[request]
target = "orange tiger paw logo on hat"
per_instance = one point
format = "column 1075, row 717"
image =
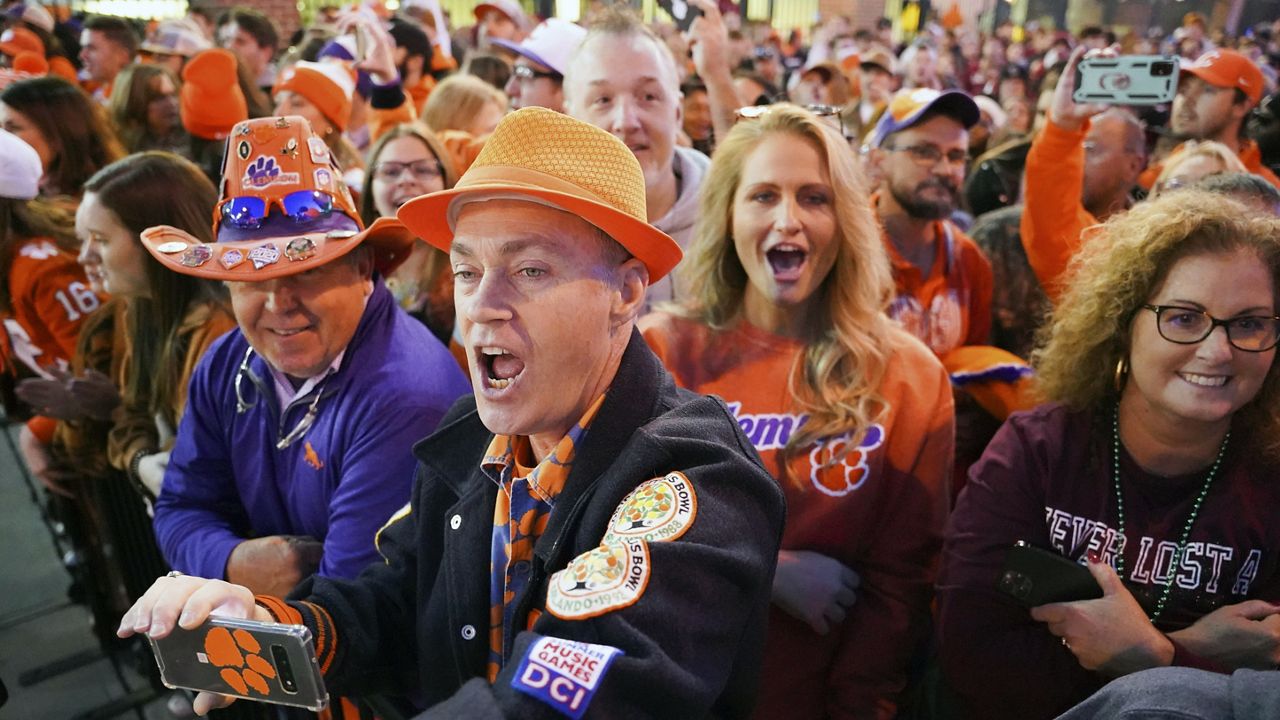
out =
column 240, row 670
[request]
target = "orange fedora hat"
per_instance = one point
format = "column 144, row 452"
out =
column 284, row 210
column 565, row 162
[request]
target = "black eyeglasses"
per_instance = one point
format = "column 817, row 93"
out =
column 929, row 155
column 390, row 170
column 528, row 74
column 1188, row 326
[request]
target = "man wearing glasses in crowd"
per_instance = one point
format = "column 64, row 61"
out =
column 917, row 153
column 538, row 76
column 295, row 447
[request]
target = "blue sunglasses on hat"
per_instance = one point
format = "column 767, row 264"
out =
column 301, row 206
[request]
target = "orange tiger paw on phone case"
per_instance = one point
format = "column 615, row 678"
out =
column 224, row 650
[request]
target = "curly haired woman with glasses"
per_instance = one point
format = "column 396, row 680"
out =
column 1153, row 465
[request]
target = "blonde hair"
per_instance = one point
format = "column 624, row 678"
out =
column 837, row 377
column 1119, row 269
column 1193, row 149
column 455, row 102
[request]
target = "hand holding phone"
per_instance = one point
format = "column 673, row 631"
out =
column 1034, row 576
column 183, row 602
column 247, row 659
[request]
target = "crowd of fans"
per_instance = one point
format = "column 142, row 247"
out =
column 947, row 307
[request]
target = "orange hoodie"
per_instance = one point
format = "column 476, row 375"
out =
column 1053, row 214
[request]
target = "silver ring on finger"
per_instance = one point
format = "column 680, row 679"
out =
column 175, row 573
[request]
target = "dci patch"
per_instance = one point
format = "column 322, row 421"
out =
column 196, row 256
column 264, row 255
column 300, row 249
column 564, row 674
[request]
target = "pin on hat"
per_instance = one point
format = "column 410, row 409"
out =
column 908, row 107
column 553, row 159
column 284, row 210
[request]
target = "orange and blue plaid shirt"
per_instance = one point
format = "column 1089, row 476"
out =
column 525, row 500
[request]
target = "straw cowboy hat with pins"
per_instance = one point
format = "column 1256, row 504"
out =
column 284, row 210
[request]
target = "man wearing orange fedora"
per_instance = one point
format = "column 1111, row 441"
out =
column 583, row 536
column 296, row 443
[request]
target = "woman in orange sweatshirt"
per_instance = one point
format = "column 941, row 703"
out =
column 853, row 416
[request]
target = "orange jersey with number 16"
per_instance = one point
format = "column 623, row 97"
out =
column 50, row 297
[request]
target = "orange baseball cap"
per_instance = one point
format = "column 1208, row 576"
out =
column 18, row 40
column 276, row 164
column 567, row 163
column 1229, row 69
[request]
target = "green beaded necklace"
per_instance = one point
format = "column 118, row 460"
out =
column 1186, row 529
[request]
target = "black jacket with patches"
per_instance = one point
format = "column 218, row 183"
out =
column 418, row 624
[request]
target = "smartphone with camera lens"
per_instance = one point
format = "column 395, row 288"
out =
column 1035, row 576
column 248, row 659
column 1127, row 80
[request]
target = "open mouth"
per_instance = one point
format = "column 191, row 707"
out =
column 786, row 261
column 289, row 332
column 1205, row 381
column 500, row 367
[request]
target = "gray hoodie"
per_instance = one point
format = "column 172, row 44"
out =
column 690, row 166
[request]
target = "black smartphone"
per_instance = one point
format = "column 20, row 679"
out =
column 1034, row 576
column 1127, row 80
column 682, row 11
column 262, row 661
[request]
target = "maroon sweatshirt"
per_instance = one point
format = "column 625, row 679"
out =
column 1046, row 478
